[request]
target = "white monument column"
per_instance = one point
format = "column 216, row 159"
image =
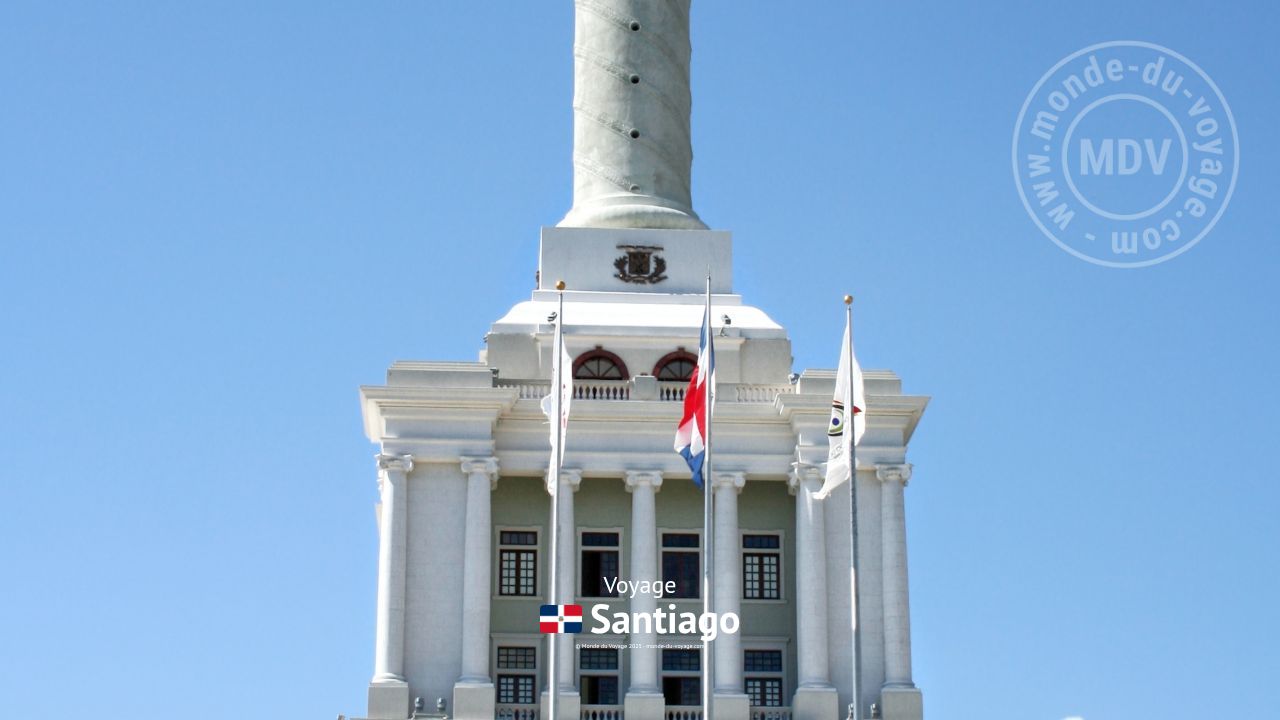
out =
column 731, row 703
column 899, row 698
column 566, row 570
column 644, row 699
column 388, row 692
column 631, row 146
column 473, row 694
column 815, row 696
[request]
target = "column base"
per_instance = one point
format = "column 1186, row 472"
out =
column 473, row 701
column 901, row 703
column 570, row 706
column 816, row 703
column 388, row 700
column 644, row 706
column 731, row 706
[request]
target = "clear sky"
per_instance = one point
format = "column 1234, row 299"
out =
column 217, row 220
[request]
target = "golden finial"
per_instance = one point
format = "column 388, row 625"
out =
column 848, row 299
column 559, row 284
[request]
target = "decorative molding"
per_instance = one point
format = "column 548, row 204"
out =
column 481, row 465
column 636, row 478
column 803, row 472
column 568, row 476
column 394, row 463
column 734, row 479
column 894, row 473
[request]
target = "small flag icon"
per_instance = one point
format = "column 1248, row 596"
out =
column 560, row 619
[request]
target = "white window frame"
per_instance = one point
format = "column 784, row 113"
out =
column 782, row 565
column 538, row 643
column 538, row 557
column 577, row 583
column 778, row 646
column 697, row 551
column 619, row 645
column 664, row 673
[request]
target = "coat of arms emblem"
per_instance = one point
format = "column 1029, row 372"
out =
column 641, row 264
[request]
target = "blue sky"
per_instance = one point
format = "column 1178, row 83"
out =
column 218, row 220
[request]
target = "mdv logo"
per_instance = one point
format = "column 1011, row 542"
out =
column 1124, row 156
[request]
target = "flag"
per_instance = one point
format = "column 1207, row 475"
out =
column 849, row 402
column 691, row 434
column 560, row 619
column 562, row 373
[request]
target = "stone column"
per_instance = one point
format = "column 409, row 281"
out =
column 473, row 695
column 566, row 567
column 731, row 702
column 388, row 692
column 899, row 698
column 644, row 699
column 631, row 146
column 815, row 697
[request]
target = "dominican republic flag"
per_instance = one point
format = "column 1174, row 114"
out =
column 848, row 417
column 560, row 619
column 691, row 435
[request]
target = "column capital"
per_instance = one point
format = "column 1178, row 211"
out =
column 487, row 466
column 568, row 476
column 732, row 479
column 893, row 473
column 394, row 463
column 802, row 473
column 638, row 478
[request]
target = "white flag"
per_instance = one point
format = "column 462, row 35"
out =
column 561, row 369
column 849, row 401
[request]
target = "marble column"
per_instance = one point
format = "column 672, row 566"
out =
column 897, row 618
column 644, row 699
column 473, row 695
column 815, row 696
column 811, row 579
column 388, row 664
column 388, row 692
column 730, row 700
column 631, row 145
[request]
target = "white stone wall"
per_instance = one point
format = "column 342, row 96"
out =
column 433, row 587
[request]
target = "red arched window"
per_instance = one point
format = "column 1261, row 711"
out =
column 677, row 365
column 599, row 364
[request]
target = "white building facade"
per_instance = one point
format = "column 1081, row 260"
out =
column 463, row 516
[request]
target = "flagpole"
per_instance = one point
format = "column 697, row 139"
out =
column 708, row 532
column 553, row 639
column 855, row 707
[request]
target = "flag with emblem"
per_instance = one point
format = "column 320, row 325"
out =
column 848, row 417
column 691, row 434
column 560, row 619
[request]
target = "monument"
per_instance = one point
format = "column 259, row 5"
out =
column 463, row 459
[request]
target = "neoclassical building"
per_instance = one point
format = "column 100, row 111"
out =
column 463, row 457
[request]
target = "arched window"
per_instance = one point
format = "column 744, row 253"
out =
column 599, row 364
column 678, row 365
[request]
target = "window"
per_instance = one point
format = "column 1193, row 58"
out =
column 599, row 364
column 681, row 683
column 762, row 670
column 598, row 676
column 678, row 365
column 518, row 562
column 680, row 563
column 517, row 688
column 761, row 560
column 599, row 561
